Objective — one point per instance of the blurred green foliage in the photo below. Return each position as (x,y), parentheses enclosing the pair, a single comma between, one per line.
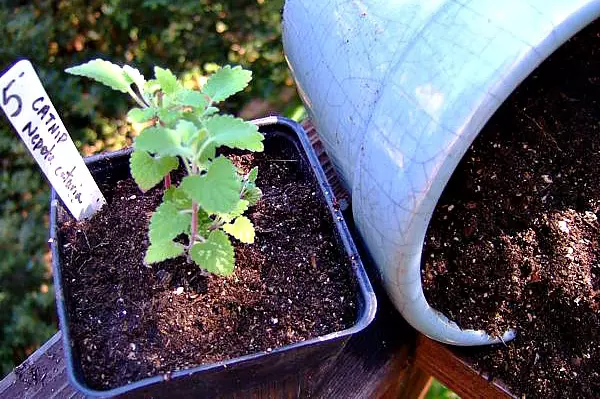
(191,36)
(438,391)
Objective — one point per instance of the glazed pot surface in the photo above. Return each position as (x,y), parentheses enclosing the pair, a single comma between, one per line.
(398,90)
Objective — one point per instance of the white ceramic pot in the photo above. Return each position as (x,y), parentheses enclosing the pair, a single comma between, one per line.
(398,90)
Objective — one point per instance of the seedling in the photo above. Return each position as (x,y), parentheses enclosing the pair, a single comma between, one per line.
(183,125)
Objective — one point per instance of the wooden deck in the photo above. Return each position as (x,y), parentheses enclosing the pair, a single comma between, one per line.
(387,360)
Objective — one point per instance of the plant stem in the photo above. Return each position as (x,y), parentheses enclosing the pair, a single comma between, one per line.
(167,179)
(194,223)
(194,212)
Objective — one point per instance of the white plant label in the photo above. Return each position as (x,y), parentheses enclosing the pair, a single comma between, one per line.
(30,111)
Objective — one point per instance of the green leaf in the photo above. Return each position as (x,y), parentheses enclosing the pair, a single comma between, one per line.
(204,222)
(168,117)
(217,191)
(234,133)
(191,98)
(253,174)
(168,81)
(134,76)
(210,111)
(242,229)
(215,254)
(151,86)
(104,72)
(147,170)
(209,153)
(226,82)
(139,115)
(163,250)
(186,131)
(178,197)
(252,194)
(240,208)
(160,140)
(167,222)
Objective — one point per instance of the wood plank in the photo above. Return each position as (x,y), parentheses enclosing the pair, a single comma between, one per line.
(43,375)
(416,384)
(444,364)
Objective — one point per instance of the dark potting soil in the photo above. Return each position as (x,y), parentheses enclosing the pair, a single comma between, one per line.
(130,321)
(515,238)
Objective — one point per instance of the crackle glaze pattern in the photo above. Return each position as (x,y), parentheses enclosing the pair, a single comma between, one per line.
(398,90)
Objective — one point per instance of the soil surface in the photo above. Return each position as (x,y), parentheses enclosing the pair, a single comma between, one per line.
(130,321)
(515,238)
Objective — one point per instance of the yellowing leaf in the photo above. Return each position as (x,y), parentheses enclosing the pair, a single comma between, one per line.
(242,229)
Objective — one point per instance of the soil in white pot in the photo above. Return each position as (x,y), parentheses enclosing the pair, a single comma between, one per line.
(515,238)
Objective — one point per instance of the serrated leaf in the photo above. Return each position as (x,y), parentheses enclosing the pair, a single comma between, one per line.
(226,82)
(240,208)
(252,194)
(242,229)
(186,131)
(217,191)
(151,86)
(234,133)
(204,222)
(160,140)
(134,76)
(209,153)
(253,174)
(167,222)
(215,254)
(104,72)
(178,197)
(191,98)
(210,111)
(147,170)
(139,115)
(168,117)
(163,250)
(166,79)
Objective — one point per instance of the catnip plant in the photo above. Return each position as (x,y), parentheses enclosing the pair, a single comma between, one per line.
(183,126)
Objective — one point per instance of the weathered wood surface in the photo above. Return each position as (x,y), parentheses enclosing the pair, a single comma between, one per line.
(42,375)
(444,364)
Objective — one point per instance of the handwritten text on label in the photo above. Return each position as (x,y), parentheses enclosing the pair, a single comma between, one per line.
(30,111)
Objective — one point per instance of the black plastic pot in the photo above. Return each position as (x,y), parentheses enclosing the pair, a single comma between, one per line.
(237,374)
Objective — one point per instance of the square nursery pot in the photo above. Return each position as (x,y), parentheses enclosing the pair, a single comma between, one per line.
(240,373)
